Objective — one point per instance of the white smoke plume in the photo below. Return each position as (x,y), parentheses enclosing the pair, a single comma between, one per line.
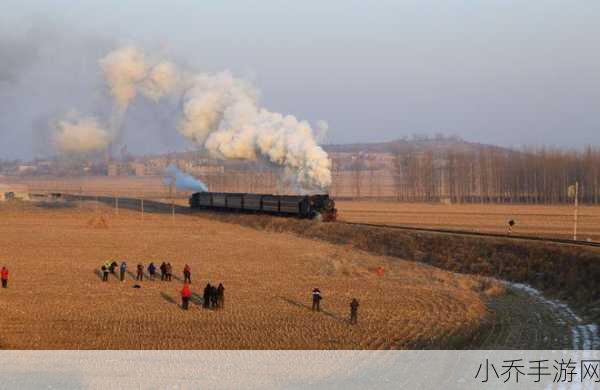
(123,69)
(80,136)
(128,72)
(161,80)
(222,114)
(206,101)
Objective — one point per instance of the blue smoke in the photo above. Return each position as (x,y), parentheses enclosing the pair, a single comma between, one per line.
(183,181)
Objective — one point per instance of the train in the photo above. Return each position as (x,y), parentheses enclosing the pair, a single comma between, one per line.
(319,206)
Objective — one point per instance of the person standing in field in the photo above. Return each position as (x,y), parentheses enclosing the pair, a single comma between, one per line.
(206,296)
(511,224)
(354,311)
(4,277)
(140,272)
(214,298)
(152,271)
(220,296)
(163,271)
(122,271)
(185,296)
(187,274)
(316,299)
(105,272)
(169,270)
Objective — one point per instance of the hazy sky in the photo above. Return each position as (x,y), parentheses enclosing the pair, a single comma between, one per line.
(502,72)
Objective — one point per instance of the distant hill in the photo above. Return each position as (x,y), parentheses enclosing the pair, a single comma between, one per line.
(417,144)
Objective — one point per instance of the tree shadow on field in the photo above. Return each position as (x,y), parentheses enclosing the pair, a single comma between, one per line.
(168,298)
(197,299)
(177,278)
(133,276)
(98,273)
(55,205)
(302,305)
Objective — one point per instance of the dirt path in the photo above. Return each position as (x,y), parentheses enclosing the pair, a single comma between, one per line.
(525,319)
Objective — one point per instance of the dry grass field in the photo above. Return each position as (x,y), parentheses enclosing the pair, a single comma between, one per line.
(538,220)
(125,186)
(56,299)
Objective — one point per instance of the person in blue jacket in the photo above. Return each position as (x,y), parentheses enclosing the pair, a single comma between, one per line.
(152,271)
(122,270)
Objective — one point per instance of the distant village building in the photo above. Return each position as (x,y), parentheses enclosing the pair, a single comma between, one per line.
(27,168)
(126,169)
(206,169)
(139,169)
(13,192)
(113,169)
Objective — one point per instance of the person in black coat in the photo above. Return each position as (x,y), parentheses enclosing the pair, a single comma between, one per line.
(214,297)
(206,296)
(354,311)
(316,299)
(220,296)
(163,271)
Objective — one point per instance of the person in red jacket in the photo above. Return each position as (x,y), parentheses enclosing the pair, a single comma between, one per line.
(185,296)
(4,277)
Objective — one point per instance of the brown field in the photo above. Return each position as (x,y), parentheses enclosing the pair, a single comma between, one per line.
(124,186)
(550,220)
(56,300)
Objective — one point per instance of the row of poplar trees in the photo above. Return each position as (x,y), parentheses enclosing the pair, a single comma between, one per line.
(496,175)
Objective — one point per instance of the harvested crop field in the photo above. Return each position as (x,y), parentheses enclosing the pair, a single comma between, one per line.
(536,220)
(56,299)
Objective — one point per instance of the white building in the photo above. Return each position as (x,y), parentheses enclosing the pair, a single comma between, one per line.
(13,191)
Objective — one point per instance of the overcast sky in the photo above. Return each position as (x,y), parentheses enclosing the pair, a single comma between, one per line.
(501,72)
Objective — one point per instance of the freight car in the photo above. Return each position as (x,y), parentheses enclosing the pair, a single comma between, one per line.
(301,206)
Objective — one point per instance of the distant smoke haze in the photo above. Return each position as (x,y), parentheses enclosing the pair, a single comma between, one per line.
(45,71)
(49,72)
(507,74)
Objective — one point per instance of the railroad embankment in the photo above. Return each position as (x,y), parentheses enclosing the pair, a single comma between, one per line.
(566,272)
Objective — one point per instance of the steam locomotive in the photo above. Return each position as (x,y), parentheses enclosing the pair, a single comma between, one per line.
(301,206)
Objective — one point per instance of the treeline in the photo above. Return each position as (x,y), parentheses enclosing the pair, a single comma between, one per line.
(496,175)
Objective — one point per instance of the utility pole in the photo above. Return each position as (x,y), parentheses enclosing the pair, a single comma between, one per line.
(142,208)
(117,204)
(576,213)
(171,191)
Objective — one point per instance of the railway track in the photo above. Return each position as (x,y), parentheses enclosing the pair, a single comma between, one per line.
(477,234)
(157,206)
